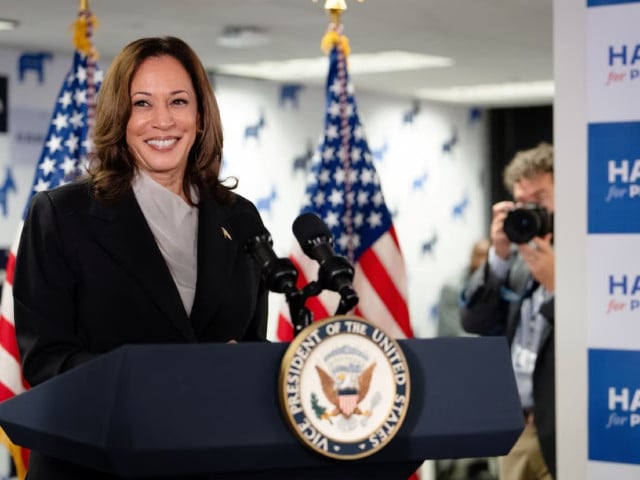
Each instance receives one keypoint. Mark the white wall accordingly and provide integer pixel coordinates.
(570, 238)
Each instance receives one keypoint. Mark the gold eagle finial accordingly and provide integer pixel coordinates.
(335, 8)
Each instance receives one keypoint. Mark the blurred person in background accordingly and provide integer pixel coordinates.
(512, 294)
(449, 324)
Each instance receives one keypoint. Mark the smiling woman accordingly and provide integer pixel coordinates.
(147, 248)
(162, 126)
(164, 84)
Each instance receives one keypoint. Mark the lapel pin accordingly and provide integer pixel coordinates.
(225, 234)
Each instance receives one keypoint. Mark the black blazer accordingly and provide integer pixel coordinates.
(89, 278)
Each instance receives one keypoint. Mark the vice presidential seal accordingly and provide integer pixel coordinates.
(344, 387)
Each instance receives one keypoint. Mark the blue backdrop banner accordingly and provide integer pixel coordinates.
(614, 405)
(614, 177)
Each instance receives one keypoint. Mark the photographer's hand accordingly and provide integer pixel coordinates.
(499, 240)
(539, 256)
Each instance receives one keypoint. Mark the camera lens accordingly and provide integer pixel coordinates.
(522, 225)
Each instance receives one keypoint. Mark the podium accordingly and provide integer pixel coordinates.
(180, 410)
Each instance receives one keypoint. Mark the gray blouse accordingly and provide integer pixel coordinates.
(174, 224)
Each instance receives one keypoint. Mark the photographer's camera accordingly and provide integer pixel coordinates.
(526, 222)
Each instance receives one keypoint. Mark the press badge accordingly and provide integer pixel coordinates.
(524, 360)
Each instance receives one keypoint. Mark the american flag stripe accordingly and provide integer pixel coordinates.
(324, 305)
(11, 261)
(386, 287)
(8, 338)
(5, 392)
(387, 250)
(373, 308)
(372, 264)
(11, 381)
(284, 329)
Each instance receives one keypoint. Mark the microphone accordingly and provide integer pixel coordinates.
(279, 274)
(335, 273)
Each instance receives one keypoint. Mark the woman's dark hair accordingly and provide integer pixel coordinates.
(112, 165)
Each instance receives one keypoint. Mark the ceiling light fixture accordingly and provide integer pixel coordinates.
(493, 94)
(316, 67)
(242, 36)
(6, 24)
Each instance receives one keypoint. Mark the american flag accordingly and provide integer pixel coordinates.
(344, 190)
(63, 159)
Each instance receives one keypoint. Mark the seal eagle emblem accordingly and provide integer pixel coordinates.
(346, 394)
(344, 387)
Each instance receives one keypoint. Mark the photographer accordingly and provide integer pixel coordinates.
(513, 295)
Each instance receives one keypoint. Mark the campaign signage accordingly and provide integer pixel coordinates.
(613, 233)
(614, 178)
(613, 292)
(613, 63)
(597, 3)
(614, 405)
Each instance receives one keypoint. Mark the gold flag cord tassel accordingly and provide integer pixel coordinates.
(16, 453)
(83, 31)
(334, 36)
